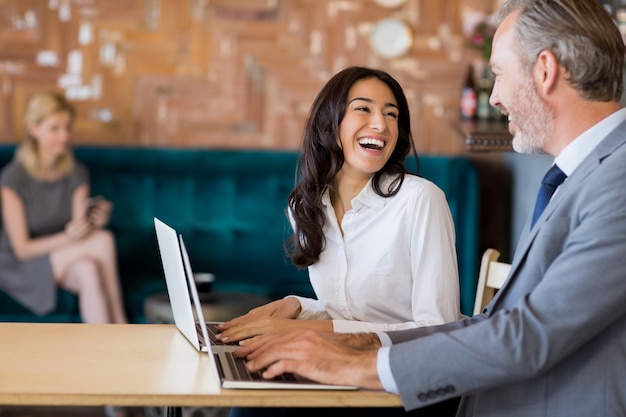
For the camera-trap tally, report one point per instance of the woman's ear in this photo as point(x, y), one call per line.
point(32, 129)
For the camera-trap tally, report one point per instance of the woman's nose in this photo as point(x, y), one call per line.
point(378, 122)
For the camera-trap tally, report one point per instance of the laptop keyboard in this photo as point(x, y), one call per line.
point(238, 368)
point(212, 330)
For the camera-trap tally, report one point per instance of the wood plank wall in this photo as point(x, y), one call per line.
point(222, 73)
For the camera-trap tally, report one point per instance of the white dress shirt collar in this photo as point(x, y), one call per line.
point(579, 148)
point(367, 196)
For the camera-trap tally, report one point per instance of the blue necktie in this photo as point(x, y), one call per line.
point(553, 178)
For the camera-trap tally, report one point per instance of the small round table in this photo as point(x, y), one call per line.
point(216, 305)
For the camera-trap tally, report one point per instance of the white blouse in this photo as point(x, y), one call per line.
point(395, 266)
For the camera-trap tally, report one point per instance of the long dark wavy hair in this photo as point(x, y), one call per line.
point(321, 158)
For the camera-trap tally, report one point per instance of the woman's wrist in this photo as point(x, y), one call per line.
point(296, 306)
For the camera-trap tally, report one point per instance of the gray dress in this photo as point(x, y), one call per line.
point(48, 209)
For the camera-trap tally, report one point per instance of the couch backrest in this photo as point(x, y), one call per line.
point(230, 208)
point(228, 205)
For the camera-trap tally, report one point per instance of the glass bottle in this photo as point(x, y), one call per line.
point(484, 111)
point(469, 100)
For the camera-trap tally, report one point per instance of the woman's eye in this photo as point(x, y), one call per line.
point(392, 114)
point(362, 108)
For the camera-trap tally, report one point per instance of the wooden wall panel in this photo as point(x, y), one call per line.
point(221, 73)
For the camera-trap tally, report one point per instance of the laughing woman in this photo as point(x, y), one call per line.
point(378, 242)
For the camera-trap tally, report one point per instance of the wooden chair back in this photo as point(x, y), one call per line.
point(490, 278)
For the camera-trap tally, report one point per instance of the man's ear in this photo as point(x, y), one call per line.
point(546, 72)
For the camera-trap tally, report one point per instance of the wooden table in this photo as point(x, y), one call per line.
point(133, 365)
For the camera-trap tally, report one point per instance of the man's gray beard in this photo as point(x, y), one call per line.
point(538, 120)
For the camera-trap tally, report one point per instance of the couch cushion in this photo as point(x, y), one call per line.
point(66, 311)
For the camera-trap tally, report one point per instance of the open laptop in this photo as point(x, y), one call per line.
point(179, 288)
point(185, 302)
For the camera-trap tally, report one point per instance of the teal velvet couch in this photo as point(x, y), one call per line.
point(230, 208)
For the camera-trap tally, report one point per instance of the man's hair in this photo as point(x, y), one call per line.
point(582, 36)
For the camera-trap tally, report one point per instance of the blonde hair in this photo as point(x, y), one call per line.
point(41, 106)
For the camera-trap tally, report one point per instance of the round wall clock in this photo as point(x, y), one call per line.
point(390, 3)
point(390, 38)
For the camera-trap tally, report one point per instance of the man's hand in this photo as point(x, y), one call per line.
point(330, 358)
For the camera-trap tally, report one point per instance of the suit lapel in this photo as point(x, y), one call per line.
point(614, 140)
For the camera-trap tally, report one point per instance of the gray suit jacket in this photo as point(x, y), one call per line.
point(552, 343)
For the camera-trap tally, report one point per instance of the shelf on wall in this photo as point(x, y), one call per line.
point(485, 136)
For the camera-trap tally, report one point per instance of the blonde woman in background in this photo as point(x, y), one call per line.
point(53, 235)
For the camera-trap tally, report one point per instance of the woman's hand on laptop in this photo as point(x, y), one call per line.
point(269, 324)
point(267, 318)
point(287, 308)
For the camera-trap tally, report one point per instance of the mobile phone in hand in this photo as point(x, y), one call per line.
point(91, 203)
